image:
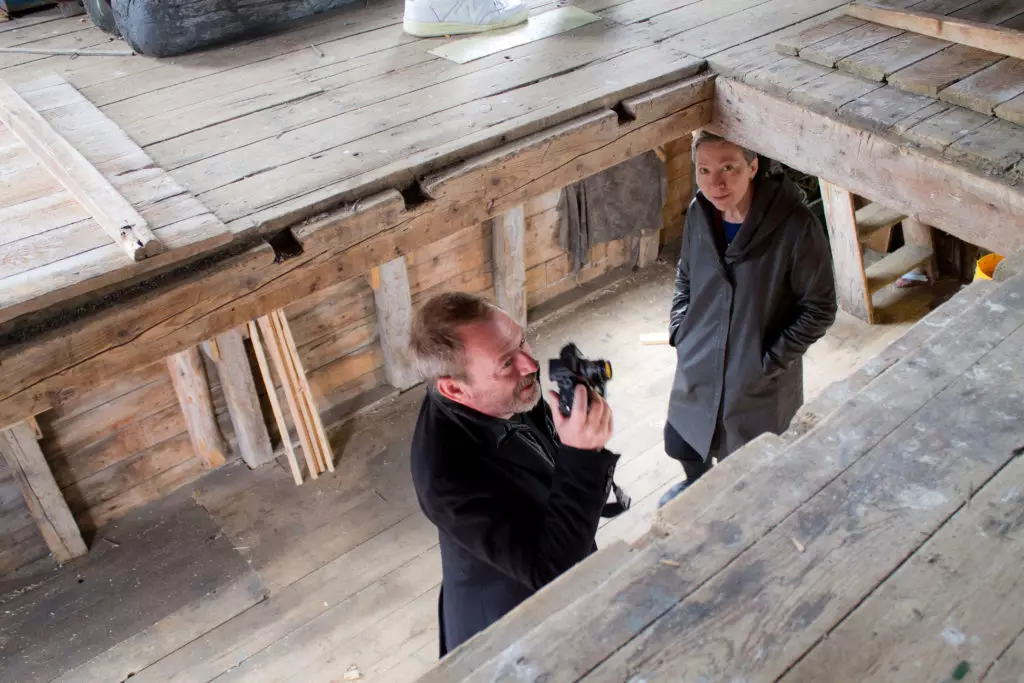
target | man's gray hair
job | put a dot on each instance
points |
(701, 136)
(435, 344)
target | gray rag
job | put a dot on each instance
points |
(623, 200)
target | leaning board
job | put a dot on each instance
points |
(52, 249)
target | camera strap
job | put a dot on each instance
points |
(621, 504)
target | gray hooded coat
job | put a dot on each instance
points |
(741, 323)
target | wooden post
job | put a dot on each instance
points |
(42, 495)
(854, 296)
(917, 233)
(193, 390)
(239, 388)
(390, 283)
(508, 239)
(650, 243)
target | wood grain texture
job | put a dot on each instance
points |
(236, 380)
(983, 36)
(941, 194)
(42, 496)
(933, 74)
(275, 404)
(193, 390)
(851, 282)
(393, 297)
(988, 88)
(239, 288)
(88, 186)
(509, 255)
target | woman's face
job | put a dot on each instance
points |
(724, 175)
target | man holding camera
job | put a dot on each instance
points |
(515, 490)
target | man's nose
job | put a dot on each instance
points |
(527, 363)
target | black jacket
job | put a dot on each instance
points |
(514, 508)
(741, 320)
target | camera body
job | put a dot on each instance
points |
(572, 368)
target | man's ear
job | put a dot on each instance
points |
(452, 389)
(753, 167)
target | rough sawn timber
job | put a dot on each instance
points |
(42, 367)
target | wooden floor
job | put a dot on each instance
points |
(883, 544)
(348, 565)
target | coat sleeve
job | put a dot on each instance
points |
(533, 545)
(681, 295)
(814, 288)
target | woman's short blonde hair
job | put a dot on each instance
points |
(701, 136)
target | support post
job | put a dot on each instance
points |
(854, 297)
(236, 380)
(45, 502)
(918, 233)
(393, 299)
(509, 251)
(190, 384)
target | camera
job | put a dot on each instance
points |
(572, 368)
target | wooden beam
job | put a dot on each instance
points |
(648, 247)
(88, 186)
(45, 502)
(236, 381)
(999, 39)
(978, 209)
(190, 384)
(393, 299)
(920, 234)
(51, 363)
(275, 405)
(508, 240)
(840, 216)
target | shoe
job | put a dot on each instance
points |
(673, 492)
(433, 18)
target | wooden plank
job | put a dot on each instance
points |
(874, 217)
(1009, 665)
(831, 91)
(185, 310)
(275, 405)
(943, 129)
(190, 384)
(889, 269)
(960, 589)
(88, 186)
(880, 61)
(777, 601)
(273, 343)
(1013, 110)
(45, 502)
(939, 193)
(881, 109)
(793, 43)
(830, 51)
(996, 147)
(239, 389)
(851, 281)
(784, 75)
(990, 87)
(932, 74)
(393, 298)
(998, 39)
(509, 244)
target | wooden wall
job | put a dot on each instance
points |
(125, 443)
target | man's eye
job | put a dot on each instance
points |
(507, 363)
(729, 168)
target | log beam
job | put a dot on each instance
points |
(508, 239)
(190, 384)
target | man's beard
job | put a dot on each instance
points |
(523, 400)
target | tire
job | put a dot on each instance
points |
(101, 15)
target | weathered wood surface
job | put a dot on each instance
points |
(938, 192)
(509, 254)
(393, 298)
(20, 449)
(193, 390)
(766, 561)
(42, 370)
(998, 39)
(239, 387)
(847, 256)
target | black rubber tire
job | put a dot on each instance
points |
(102, 15)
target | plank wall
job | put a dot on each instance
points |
(124, 444)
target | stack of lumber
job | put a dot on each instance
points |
(270, 334)
(881, 539)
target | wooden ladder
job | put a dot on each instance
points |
(850, 229)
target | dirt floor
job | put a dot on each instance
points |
(339, 575)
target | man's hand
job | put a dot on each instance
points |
(587, 430)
